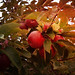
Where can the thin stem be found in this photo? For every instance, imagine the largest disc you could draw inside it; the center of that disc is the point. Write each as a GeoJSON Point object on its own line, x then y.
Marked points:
{"type": "Point", "coordinates": [45, 2]}
{"type": "Point", "coordinates": [67, 59]}
{"type": "Point", "coordinates": [58, 10]}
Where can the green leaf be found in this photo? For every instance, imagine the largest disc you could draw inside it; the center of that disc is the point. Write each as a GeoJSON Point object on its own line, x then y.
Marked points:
{"type": "Point", "coordinates": [59, 49]}
{"type": "Point", "coordinates": [13, 56]}
{"type": "Point", "coordinates": [1, 36]}
{"type": "Point", "coordinates": [50, 33]}
{"type": "Point", "coordinates": [33, 15]}
{"type": "Point", "coordinates": [66, 53]}
{"type": "Point", "coordinates": [25, 53]}
{"type": "Point", "coordinates": [47, 45]}
{"type": "Point", "coordinates": [9, 28]}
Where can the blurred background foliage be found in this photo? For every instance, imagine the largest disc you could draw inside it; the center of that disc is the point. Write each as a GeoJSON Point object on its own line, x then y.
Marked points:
{"type": "Point", "coordinates": [13, 9]}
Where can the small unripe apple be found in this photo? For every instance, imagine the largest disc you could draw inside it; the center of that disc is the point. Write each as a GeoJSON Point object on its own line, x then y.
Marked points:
{"type": "Point", "coordinates": [41, 52]}
{"type": "Point", "coordinates": [23, 26]}
{"type": "Point", "coordinates": [31, 23]}
{"type": "Point", "coordinates": [46, 26]}
{"type": "Point", "coordinates": [4, 62]}
{"type": "Point", "coordinates": [35, 39]}
{"type": "Point", "coordinates": [53, 51]}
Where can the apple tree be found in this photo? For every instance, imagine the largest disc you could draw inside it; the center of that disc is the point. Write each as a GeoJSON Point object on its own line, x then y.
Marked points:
{"type": "Point", "coordinates": [37, 38]}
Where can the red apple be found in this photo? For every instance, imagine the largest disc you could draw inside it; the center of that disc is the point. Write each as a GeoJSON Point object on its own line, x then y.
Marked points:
{"type": "Point", "coordinates": [58, 37]}
{"type": "Point", "coordinates": [4, 62]}
{"type": "Point", "coordinates": [46, 26]}
{"type": "Point", "coordinates": [23, 26]}
{"type": "Point", "coordinates": [61, 30]}
{"type": "Point", "coordinates": [53, 51]}
{"type": "Point", "coordinates": [35, 39]}
{"type": "Point", "coordinates": [41, 52]}
{"type": "Point", "coordinates": [31, 23]}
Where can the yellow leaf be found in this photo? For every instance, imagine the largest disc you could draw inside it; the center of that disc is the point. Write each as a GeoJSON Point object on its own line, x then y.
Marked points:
{"type": "Point", "coordinates": [55, 27]}
{"type": "Point", "coordinates": [39, 28]}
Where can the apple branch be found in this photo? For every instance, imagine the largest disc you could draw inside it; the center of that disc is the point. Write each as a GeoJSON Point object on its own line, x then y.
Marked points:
{"type": "Point", "coordinates": [66, 59]}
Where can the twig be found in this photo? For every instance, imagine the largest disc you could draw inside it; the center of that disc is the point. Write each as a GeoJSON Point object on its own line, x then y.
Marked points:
{"type": "Point", "coordinates": [58, 10]}
{"type": "Point", "coordinates": [45, 2]}
{"type": "Point", "coordinates": [66, 59]}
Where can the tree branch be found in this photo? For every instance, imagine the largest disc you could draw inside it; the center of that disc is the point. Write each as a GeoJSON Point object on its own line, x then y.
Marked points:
{"type": "Point", "coordinates": [66, 59]}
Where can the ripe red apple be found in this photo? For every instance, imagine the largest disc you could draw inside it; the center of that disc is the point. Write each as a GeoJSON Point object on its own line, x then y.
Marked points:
{"type": "Point", "coordinates": [35, 39]}
{"type": "Point", "coordinates": [23, 26]}
{"type": "Point", "coordinates": [4, 62]}
{"type": "Point", "coordinates": [46, 26]}
{"type": "Point", "coordinates": [58, 37]}
{"type": "Point", "coordinates": [53, 51]}
{"type": "Point", "coordinates": [41, 52]}
{"type": "Point", "coordinates": [31, 23]}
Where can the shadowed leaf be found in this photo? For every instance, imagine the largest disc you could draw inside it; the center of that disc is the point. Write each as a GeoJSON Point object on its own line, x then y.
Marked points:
{"type": "Point", "coordinates": [13, 56]}
{"type": "Point", "coordinates": [59, 48]}
{"type": "Point", "coordinates": [47, 45]}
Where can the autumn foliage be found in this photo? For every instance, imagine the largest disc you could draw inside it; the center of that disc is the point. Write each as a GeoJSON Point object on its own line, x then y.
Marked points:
{"type": "Point", "coordinates": [37, 38]}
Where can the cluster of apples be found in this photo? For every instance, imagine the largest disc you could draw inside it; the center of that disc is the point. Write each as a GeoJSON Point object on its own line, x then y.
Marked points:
{"type": "Point", "coordinates": [29, 23]}
{"type": "Point", "coordinates": [36, 39]}
{"type": "Point", "coordinates": [4, 60]}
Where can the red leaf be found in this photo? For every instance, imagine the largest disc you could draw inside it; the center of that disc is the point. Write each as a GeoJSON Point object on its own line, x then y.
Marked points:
{"type": "Point", "coordinates": [62, 3]}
